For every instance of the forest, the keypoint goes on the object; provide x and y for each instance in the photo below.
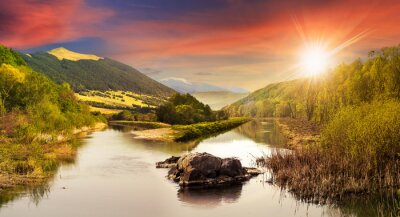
(35, 113)
(357, 106)
(319, 98)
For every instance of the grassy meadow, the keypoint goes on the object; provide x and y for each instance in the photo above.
(111, 102)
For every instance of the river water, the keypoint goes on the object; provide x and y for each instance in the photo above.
(115, 175)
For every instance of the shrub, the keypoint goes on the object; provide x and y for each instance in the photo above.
(185, 109)
(359, 153)
(366, 131)
(194, 131)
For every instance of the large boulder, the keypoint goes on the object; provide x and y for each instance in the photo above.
(231, 167)
(202, 165)
(203, 169)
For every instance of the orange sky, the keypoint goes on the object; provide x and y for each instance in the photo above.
(244, 43)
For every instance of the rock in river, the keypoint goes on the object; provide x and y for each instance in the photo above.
(206, 170)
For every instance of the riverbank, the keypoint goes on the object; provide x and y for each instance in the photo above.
(298, 132)
(320, 174)
(34, 163)
(141, 124)
(183, 133)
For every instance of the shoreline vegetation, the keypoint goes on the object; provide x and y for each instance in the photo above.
(320, 175)
(38, 120)
(185, 133)
(356, 106)
(36, 163)
(298, 132)
(206, 129)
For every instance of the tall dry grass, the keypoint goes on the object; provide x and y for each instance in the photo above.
(359, 154)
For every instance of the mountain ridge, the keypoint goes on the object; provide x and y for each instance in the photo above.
(87, 74)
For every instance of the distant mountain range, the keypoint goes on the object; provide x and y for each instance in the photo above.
(184, 86)
(91, 72)
(218, 99)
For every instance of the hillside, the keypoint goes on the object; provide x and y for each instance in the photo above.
(218, 99)
(319, 98)
(272, 100)
(109, 102)
(31, 104)
(37, 117)
(90, 72)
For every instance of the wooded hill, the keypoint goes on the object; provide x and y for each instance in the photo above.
(375, 79)
(89, 72)
(31, 105)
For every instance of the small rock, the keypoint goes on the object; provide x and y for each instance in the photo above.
(168, 163)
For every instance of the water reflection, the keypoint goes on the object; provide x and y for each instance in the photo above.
(210, 197)
(263, 131)
(114, 174)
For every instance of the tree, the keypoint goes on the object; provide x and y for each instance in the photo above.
(185, 109)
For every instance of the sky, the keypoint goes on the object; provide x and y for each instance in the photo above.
(241, 43)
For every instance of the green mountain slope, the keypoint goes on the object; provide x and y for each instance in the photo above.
(31, 105)
(89, 72)
(377, 78)
(272, 100)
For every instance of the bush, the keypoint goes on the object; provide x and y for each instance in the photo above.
(366, 131)
(31, 105)
(359, 153)
(185, 109)
(194, 131)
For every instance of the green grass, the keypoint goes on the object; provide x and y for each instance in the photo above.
(111, 102)
(144, 124)
(199, 130)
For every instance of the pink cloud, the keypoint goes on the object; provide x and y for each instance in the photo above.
(28, 23)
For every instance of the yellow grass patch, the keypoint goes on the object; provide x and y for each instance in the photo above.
(104, 110)
(116, 98)
(62, 53)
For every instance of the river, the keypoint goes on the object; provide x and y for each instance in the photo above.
(115, 175)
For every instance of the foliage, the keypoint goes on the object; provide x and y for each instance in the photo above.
(133, 116)
(35, 112)
(10, 57)
(103, 75)
(358, 106)
(370, 131)
(319, 98)
(359, 154)
(139, 124)
(283, 99)
(185, 109)
(35, 105)
(194, 131)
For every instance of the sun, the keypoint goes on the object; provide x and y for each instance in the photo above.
(314, 61)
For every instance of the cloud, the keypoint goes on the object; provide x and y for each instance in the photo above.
(29, 23)
(257, 39)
